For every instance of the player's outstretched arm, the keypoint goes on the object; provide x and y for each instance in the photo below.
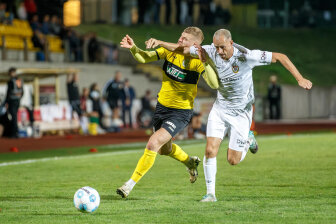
(139, 55)
(174, 47)
(210, 75)
(286, 62)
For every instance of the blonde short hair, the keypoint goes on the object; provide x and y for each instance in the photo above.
(196, 32)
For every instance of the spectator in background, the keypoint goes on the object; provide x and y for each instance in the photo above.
(31, 8)
(93, 48)
(2, 12)
(274, 98)
(55, 26)
(196, 127)
(13, 98)
(73, 94)
(34, 23)
(168, 11)
(21, 11)
(127, 97)
(147, 111)
(83, 99)
(39, 41)
(74, 45)
(4, 18)
(45, 28)
(94, 96)
(142, 8)
(184, 7)
(178, 11)
(157, 10)
(205, 13)
(74, 99)
(146, 101)
(94, 110)
(112, 93)
(10, 9)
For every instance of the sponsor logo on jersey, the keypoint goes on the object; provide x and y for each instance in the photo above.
(175, 73)
(235, 67)
(229, 79)
(179, 74)
(263, 57)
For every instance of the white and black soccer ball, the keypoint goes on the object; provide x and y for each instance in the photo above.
(86, 199)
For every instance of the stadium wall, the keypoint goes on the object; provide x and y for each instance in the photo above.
(297, 103)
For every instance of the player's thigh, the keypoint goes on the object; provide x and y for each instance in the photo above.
(175, 120)
(166, 148)
(212, 147)
(158, 139)
(234, 156)
(240, 125)
(216, 126)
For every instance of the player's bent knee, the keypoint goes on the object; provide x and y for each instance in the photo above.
(233, 160)
(153, 145)
(210, 153)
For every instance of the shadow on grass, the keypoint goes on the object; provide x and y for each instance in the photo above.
(118, 198)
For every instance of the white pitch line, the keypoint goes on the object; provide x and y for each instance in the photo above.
(76, 157)
(274, 137)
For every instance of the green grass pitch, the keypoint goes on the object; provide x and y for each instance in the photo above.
(290, 180)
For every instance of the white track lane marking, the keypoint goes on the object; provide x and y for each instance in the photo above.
(76, 157)
(191, 142)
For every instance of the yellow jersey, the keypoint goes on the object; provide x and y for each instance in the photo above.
(180, 79)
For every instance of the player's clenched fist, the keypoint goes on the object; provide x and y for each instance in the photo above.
(305, 83)
(127, 42)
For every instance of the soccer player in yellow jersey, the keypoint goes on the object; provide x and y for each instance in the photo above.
(175, 102)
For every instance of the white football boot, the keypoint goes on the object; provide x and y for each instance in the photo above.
(209, 198)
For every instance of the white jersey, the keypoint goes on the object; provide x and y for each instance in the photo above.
(235, 75)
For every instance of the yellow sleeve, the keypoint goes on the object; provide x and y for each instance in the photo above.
(162, 52)
(210, 76)
(144, 56)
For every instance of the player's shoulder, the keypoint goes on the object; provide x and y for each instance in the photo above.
(244, 54)
(241, 53)
(209, 48)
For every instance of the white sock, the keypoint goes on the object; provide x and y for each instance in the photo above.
(210, 170)
(244, 152)
(130, 183)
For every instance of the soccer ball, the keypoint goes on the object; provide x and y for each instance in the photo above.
(86, 199)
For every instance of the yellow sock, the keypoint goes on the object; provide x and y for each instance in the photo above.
(145, 163)
(178, 154)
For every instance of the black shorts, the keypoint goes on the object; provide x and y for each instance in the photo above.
(113, 103)
(171, 119)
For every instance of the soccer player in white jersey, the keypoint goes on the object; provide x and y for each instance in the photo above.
(232, 111)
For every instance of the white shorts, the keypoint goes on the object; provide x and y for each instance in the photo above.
(234, 122)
